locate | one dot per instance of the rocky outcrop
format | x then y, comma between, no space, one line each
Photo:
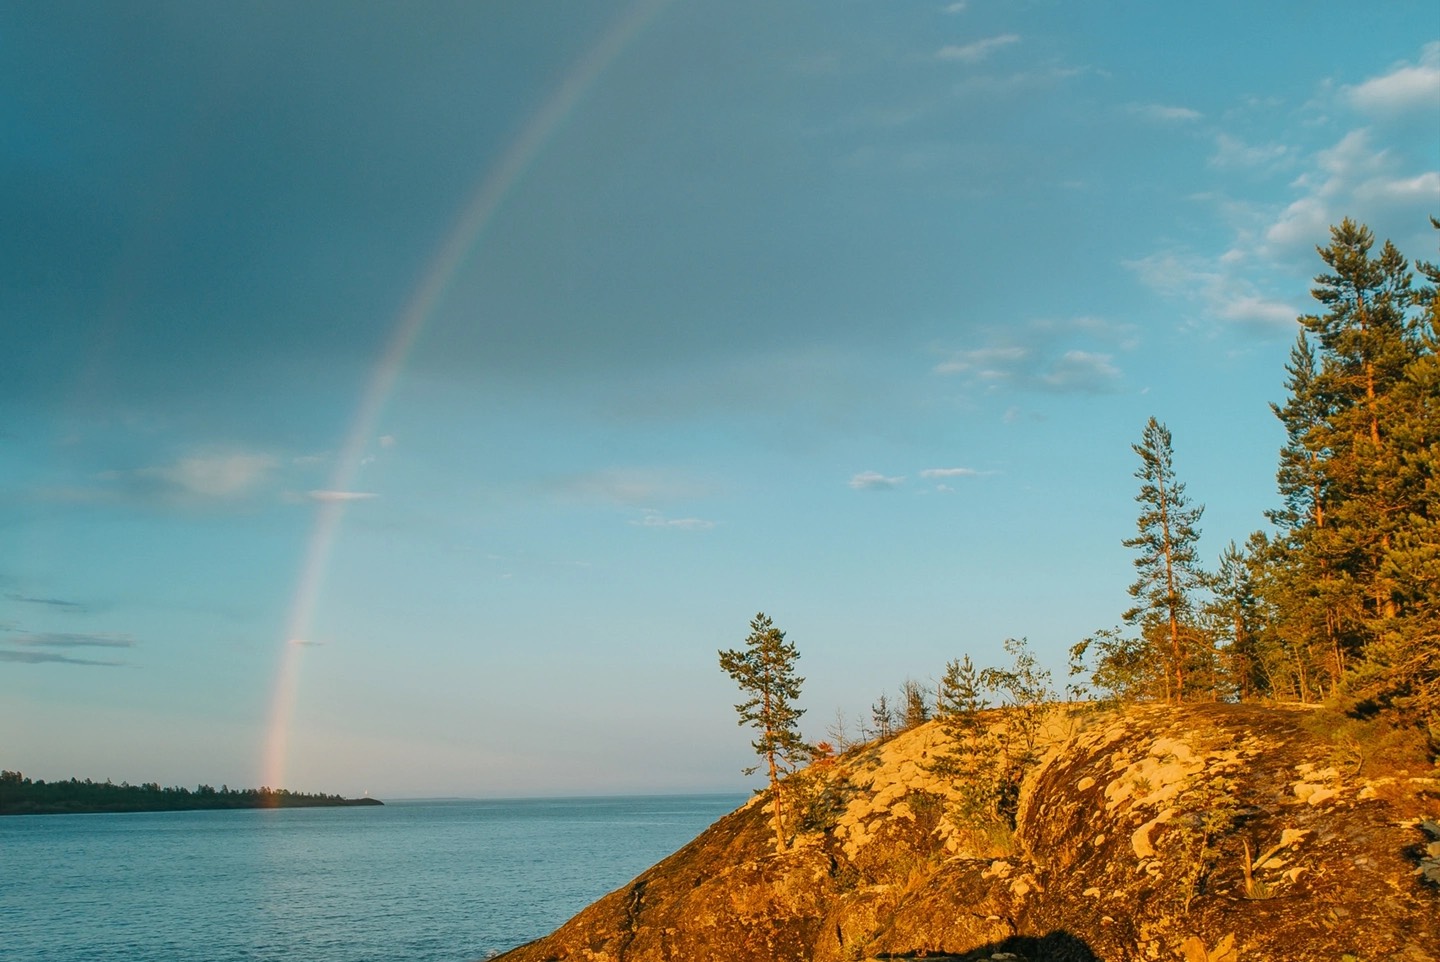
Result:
1214,833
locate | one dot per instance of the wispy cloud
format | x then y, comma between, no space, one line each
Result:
1021,81
1407,86
42,657
875,481
338,496
70,640
1218,288
632,487
34,648
682,524
935,473
1032,357
1085,372
213,474
206,476
59,603
977,51
1163,113
1232,152
987,363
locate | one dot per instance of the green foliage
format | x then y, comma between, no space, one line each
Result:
1025,690
960,696
882,718
1167,568
971,752
765,670
1343,596
1122,668
21,796
1353,586
986,758
1192,848
915,704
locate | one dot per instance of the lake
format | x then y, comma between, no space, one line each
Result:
423,881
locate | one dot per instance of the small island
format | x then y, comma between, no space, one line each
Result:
21,796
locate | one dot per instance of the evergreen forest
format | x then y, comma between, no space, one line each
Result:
1335,599
1338,598
21,796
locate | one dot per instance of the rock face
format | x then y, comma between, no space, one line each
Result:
1213,833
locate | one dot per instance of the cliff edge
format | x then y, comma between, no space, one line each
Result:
1211,833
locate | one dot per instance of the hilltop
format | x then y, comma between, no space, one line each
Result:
1208,833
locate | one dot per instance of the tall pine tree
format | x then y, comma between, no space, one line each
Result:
1353,472
1402,663
1168,570
1366,340
1356,570
765,670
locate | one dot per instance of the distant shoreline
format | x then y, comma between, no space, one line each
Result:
21,796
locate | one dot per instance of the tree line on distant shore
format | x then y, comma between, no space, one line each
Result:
21,796
1338,601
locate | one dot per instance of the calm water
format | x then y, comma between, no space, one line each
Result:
419,881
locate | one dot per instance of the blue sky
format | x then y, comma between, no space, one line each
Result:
414,399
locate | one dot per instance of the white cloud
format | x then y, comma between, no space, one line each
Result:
1352,178
986,363
1217,286
1172,273
1163,113
1407,86
212,475
635,487
1421,189
1233,152
950,473
977,51
1025,80
1260,312
958,7
682,524
1035,357
1082,372
338,496
875,481
387,440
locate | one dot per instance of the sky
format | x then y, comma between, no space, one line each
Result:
413,399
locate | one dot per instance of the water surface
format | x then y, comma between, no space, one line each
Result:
447,881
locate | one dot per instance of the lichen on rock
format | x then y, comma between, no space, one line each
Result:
1148,833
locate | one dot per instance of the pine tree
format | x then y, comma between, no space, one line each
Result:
1402,664
1231,616
959,694
1309,594
1366,339
915,710
1354,473
1168,568
971,756
882,718
765,670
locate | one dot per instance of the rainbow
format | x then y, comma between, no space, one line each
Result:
489,193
